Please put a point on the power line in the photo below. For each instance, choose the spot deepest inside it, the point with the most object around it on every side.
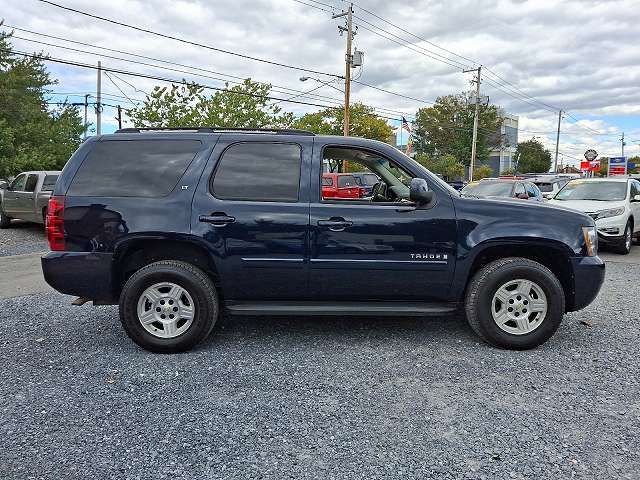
(121, 91)
(178, 39)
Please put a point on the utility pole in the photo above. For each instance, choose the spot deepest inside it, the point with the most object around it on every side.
(99, 101)
(119, 117)
(555, 165)
(475, 119)
(86, 106)
(622, 144)
(348, 59)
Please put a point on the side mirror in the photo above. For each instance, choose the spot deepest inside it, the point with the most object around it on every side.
(419, 191)
(4, 184)
(636, 198)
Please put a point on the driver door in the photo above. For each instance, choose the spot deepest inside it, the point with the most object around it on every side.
(376, 250)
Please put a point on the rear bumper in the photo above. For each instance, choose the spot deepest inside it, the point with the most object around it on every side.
(81, 274)
(588, 274)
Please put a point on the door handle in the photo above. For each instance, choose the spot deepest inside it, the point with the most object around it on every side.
(336, 224)
(217, 219)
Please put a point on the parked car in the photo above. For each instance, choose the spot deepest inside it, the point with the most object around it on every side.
(366, 181)
(502, 187)
(549, 185)
(175, 226)
(614, 203)
(27, 197)
(340, 185)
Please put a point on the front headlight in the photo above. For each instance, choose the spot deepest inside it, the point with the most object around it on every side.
(590, 241)
(612, 212)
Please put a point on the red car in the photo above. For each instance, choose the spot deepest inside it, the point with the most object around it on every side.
(340, 185)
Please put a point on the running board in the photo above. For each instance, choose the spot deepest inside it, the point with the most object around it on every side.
(340, 308)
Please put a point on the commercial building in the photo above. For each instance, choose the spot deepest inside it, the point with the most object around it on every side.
(502, 158)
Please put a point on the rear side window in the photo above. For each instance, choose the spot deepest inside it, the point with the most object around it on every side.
(327, 181)
(32, 181)
(49, 182)
(133, 168)
(266, 172)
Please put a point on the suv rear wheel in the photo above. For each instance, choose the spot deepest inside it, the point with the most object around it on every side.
(515, 303)
(168, 306)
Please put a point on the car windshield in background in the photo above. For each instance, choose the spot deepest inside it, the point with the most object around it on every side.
(346, 181)
(545, 187)
(488, 189)
(587, 190)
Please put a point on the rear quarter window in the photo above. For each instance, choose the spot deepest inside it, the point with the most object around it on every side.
(133, 168)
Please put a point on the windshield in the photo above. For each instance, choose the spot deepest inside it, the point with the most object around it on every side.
(545, 187)
(488, 189)
(600, 190)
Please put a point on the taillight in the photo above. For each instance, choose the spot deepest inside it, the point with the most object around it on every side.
(55, 223)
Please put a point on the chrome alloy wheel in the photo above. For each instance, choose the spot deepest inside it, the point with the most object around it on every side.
(628, 237)
(166, 310)
(519, 307)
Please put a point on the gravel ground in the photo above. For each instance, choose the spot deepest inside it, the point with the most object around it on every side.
(320, 398)
(22, 237)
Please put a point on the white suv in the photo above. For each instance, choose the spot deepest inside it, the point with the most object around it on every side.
(614, 203)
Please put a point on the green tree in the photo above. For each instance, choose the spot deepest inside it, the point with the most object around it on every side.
(447, 128)
(32, 136)
(446, 165)
(532, 157)
(363, 122)
(635, 160)
(185, 105)
(508, 171)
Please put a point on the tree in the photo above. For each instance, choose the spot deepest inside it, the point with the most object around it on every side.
(446, 165)
(446, 128)
(32, 136)
(363, 122)
(482, 171)
(185, 105)
(508, 171)
(532, 157)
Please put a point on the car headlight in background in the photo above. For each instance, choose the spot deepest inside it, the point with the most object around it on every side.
(590, 241)
(612, 212)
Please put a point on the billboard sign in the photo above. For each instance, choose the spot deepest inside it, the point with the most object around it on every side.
(591, 154)
(590, 166)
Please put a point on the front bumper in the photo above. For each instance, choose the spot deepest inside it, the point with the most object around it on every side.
(588, 275)
(611, 230)
(82, 274)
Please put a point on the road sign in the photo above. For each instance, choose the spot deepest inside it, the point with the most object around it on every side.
(590, 154)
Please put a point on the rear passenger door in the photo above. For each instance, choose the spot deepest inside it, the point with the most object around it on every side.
(251, 207)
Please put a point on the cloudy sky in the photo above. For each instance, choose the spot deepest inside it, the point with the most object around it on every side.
(537, 56)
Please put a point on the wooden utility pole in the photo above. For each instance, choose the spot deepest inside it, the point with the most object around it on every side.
(86, 106)
(475, 120)
(119, 117)
(555, 163)
(348, 60)
(99, 101)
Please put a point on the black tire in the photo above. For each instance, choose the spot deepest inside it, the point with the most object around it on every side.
(485, 284)
(5, 222)
(624, 246)
(194, 281)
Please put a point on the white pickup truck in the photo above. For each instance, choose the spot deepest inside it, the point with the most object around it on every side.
(27, 197)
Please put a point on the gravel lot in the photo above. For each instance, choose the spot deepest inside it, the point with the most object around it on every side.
(320, 398)
(22, 237)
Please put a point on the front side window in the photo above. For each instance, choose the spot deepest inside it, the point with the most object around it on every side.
(599, 190)
(265, 172)
(133, 168)
(366, 176)
(18, 184)
(519, 190)
(487, 189)
(32, 181)
(532, 190)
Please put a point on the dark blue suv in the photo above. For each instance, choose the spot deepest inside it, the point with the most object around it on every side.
(177, 225)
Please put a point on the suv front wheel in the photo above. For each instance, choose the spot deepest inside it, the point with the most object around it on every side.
(168, 306)
(515, 303)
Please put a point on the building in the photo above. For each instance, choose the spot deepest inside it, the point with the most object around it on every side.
(502, 158)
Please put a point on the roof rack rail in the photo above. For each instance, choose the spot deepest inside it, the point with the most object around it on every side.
(276, 131)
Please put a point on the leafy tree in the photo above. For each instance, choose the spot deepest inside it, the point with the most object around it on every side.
(635, 160)
(363, 122)
(482, 171)
(32, 136)
(447, 128)
(508, 171)
(532, 157)
(185, 105)
(446, 165)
